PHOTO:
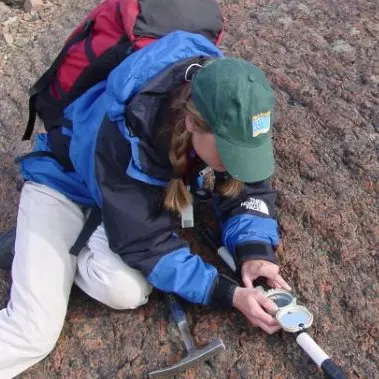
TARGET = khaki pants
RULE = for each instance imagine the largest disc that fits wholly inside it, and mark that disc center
(43, 272)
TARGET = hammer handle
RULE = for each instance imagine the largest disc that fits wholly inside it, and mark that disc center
(180, 318)
(175, 308)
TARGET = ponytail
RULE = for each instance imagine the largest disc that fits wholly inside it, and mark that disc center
(177, 196)
(230, 188)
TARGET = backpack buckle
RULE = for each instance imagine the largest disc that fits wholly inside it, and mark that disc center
(188, 76)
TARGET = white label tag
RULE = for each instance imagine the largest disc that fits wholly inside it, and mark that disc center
(187, 216)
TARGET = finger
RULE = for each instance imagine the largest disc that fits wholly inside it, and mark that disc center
(270, 329)
(283, 283)
(260, 315)
(272, 283)
(269, 271)
(275, 284)
(266, 303)
(247, 281)
(257, 316)
(254, 321)
(279, 282)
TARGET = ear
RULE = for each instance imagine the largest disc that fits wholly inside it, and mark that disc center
(188, 123)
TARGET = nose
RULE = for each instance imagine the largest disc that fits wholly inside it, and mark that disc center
(219, 167)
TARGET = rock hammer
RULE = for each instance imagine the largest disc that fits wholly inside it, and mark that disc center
(194, 355)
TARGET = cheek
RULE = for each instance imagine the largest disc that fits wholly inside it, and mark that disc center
(205, 147)
(202, 145)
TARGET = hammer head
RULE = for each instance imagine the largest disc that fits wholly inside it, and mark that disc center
(193, 357)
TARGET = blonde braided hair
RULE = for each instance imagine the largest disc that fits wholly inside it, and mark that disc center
(177, 197)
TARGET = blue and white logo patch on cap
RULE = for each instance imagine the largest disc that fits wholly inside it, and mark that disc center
(261, 123)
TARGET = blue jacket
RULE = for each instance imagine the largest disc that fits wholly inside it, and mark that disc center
(109, 137)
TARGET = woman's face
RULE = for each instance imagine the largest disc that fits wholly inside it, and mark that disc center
(204, 145)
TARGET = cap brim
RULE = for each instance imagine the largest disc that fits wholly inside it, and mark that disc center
(247, 164)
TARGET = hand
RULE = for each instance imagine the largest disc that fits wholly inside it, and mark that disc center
(254, 304)
(253, 269)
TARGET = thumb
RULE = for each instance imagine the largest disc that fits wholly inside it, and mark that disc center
(247, 281)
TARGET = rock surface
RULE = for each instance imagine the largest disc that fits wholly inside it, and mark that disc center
(322, 58)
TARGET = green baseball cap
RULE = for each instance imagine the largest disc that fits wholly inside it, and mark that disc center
(236, 100)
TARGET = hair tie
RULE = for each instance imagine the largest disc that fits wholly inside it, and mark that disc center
(221, 176)
(176, 175)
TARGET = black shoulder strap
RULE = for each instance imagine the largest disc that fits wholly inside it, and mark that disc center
(93, 221)
(44, 81)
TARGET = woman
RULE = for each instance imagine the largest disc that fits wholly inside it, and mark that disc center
(127, 146)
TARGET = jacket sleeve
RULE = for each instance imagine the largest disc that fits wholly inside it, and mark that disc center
(146, 240)
(143, 233)
(248, 223)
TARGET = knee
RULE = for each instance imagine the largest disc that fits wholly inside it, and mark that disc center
(127, 293)
(47, 346)
(42, 342)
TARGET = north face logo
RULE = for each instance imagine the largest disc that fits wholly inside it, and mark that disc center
(257, 205)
